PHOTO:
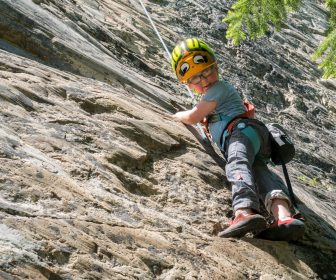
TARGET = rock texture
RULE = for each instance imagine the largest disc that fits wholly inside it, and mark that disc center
(97, 181)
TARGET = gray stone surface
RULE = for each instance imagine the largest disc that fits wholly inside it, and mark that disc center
(96, 180)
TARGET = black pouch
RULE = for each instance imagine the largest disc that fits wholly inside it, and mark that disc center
(283, 149)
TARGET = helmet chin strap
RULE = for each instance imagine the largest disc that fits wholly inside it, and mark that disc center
(199, 127)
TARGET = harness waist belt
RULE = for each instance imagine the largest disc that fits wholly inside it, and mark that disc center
(219, 117)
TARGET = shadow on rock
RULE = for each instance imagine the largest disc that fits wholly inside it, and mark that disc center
(320, 238)
(207, 147)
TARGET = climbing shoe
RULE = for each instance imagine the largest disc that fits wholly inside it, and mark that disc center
(287, 230)
(243, 224)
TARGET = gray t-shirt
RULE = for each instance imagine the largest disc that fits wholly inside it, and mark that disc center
(229, 105)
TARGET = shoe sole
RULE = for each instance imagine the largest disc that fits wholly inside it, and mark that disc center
(255, 223)
(284, 233)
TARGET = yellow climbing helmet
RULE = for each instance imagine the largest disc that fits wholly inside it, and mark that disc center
(191, 57)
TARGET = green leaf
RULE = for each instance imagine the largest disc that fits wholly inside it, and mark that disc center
(327, 52)
(252, 18)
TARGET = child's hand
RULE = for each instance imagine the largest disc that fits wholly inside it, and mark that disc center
(177, 117)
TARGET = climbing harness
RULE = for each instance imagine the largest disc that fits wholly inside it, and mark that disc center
(231, 124)
(199, 127)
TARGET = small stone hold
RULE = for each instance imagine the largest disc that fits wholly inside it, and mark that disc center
(179, 229)
(216, 228)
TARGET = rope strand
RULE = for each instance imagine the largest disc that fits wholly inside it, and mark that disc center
(204, 136)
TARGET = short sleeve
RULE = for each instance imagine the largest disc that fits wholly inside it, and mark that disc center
(215, 93)
(227, 98)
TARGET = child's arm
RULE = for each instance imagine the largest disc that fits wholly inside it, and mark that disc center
(196, 114)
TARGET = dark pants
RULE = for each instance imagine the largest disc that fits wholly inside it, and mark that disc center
(248, 172)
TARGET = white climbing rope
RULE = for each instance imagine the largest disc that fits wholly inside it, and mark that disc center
(199, 127)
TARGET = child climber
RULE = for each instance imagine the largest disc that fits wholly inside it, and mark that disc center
(244, 142)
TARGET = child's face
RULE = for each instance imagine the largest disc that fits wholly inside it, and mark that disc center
(204, 80)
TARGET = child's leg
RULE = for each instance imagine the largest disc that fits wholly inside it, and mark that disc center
(245, 200)
(272, 191)
(240, 158)
(280, 209)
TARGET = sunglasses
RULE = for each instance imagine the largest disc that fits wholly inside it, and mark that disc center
(197, 78)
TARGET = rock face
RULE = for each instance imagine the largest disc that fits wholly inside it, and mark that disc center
(96, 180)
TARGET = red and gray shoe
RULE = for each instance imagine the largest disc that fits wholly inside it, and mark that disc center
(288, 230)
(243, 224)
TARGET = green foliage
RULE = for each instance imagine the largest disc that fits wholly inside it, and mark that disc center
(331, 4)
(308, 181)
(327, 49)
(252, 17)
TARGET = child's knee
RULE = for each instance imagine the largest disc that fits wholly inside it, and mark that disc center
(239, 171)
